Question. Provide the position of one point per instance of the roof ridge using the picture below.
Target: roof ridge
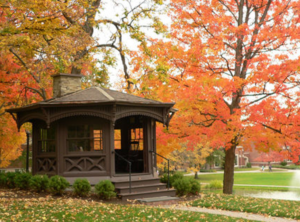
(105, 93)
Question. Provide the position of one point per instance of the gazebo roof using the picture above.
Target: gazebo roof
(94, 95)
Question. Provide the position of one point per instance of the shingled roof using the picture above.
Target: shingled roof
(95, 95)
(99, 94)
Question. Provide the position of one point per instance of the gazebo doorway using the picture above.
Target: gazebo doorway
(130, 144)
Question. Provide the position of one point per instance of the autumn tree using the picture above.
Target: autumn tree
(190, 158)
(39, 38)
(232, 66)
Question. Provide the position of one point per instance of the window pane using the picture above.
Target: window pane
(117, 139)
(79, 145)
(72, 131)
(46, 142)
(137, 136)
(91, 138)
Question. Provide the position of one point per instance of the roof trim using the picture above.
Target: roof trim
(105, 94)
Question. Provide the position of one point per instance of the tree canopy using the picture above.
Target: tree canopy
(233, 69)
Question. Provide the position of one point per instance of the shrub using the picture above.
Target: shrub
(164, 178)
(21, 180)
(283, 163)
(248, 165)
(81, 187)
(182, 186)
(215, 184)
(105, 189)
(39, 182)
(176, 176)
(10, 176)
(58, 184)
(3, 180)
(195, 186)
(173, 177)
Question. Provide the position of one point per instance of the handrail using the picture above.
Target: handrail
(168, 165)
(127, 161)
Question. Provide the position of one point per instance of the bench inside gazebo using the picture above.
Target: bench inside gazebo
(97, 134)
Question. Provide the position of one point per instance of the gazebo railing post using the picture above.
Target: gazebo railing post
(151, 151)
(129, 177)
(129, 163)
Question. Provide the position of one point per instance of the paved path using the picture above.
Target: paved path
(248, 216)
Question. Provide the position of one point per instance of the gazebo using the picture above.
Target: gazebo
(95, 133)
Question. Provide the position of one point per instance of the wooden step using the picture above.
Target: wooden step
(136, 182)
(141, 188)
(156, 193)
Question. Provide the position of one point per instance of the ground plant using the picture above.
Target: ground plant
(277, 208)
(81, 187)
(58, 184)
(195, 186)
(21, 180)
(3, 180)
(10, 179)
(182, 186)
(214, 185)
(39, 183)
(105, 189)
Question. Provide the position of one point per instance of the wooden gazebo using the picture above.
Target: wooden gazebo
(88, 133)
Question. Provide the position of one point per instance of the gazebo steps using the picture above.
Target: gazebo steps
(136, 182)
(154, 193)
(140, 188)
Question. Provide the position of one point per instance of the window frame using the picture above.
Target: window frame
(90, 139)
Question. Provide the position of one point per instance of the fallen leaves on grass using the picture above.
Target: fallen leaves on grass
(16, 208)
(271, 207)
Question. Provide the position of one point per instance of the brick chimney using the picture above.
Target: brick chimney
(65, 83)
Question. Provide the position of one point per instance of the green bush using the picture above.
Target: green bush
(283, 163)
(248, 165)
(3, 180)
(182, 186)
(176, 176)
(105, 189)
(164, 178)
(39, 183)
(58, 184)
(81, 187)
(21, 180)
(10, 176)
(195, 186)
(215, 184)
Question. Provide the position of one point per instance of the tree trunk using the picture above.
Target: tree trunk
(229, 170)
(196, 175)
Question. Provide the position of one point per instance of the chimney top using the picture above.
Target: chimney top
(64, 83)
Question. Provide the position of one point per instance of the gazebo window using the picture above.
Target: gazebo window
(46, 143)
(84, 138)
(117, 139)
(137, 137)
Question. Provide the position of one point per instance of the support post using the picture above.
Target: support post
(27, 151)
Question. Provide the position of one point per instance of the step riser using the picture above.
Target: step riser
(171, 193)
(136, 183)
(141, 189)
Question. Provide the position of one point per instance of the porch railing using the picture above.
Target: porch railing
(129, 163)
(151, 151)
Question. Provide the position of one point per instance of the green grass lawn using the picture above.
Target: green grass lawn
(263, 178)
(277, 208)
(70, 209)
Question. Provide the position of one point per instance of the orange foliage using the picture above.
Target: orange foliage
(233, 69)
